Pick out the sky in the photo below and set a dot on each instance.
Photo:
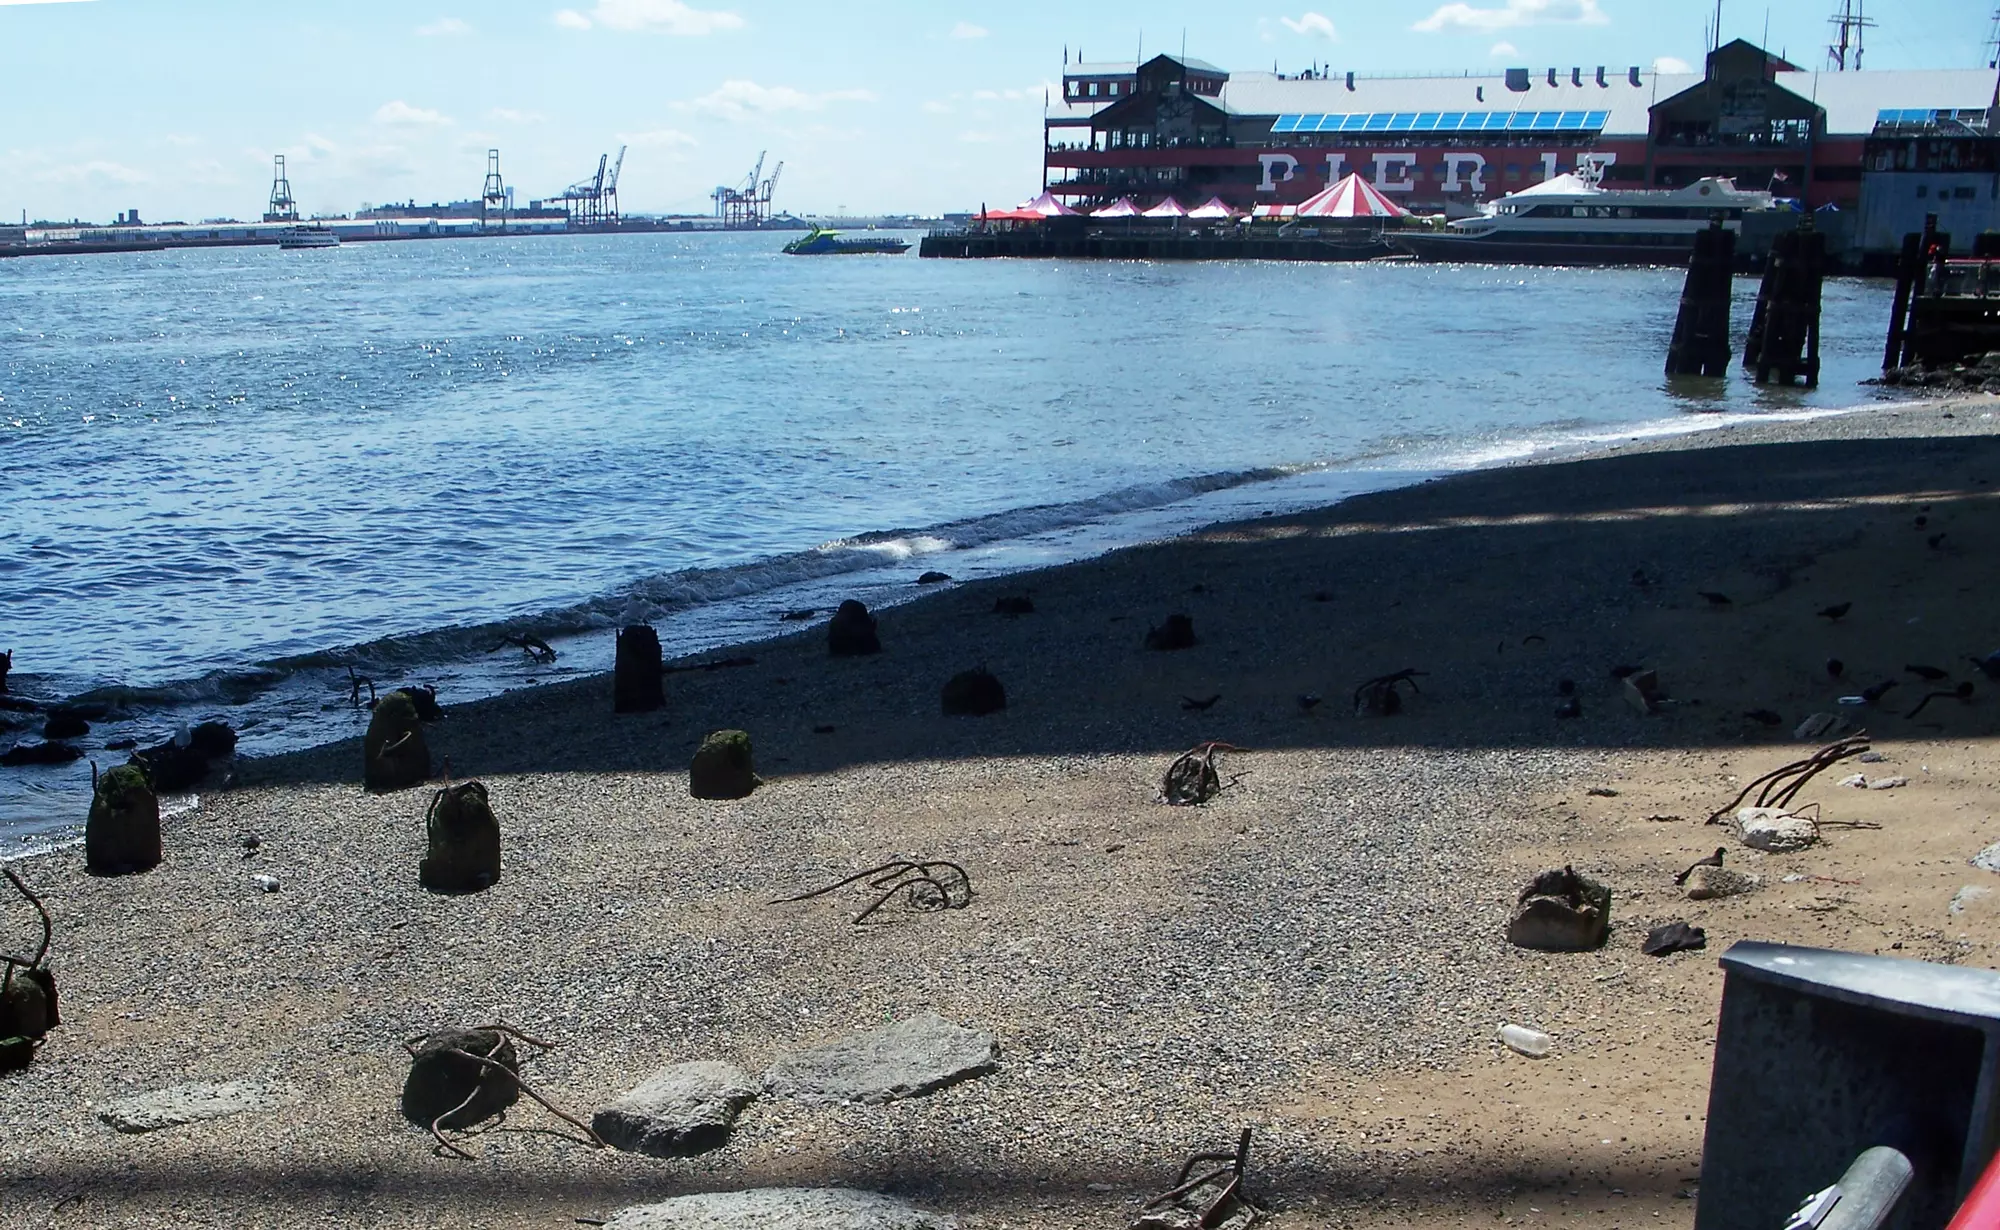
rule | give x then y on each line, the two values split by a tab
920	106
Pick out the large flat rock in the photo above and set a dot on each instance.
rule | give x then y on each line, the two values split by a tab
780	1208
681	1110
906	1059
164	1108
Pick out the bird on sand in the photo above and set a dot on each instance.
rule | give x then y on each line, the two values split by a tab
1835	668
1307	701
1835	611
1713	860
1713	598
1200	706
1871	695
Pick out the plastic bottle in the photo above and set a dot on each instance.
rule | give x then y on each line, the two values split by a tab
1530	1042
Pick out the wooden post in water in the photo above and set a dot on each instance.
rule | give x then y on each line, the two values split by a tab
1784	333
1909	271
1701	332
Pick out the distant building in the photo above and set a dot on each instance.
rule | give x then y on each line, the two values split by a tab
1919	163
1181	127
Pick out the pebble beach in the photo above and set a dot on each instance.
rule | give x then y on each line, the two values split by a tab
1316	954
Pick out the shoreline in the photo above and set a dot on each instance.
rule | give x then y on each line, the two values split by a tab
1316	953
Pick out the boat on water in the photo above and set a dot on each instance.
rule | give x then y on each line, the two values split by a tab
1573	220
822	242
308	237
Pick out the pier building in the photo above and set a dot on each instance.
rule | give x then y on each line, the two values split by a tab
1182	127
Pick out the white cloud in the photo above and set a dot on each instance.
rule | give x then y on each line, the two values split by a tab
1504	48
507	115
668	137
737	99
934	107
1514	13
978	138
403	115
4	3
1317	25
444	27
1670	64
655	16
966	29
96	171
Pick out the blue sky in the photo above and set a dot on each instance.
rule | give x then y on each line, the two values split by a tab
176	108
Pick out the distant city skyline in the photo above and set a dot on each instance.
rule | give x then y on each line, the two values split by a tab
176	110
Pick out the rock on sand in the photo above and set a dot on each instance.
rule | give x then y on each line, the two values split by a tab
780	1208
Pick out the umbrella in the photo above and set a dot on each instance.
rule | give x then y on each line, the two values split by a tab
1120	208
1352	197
1169	208
1213	211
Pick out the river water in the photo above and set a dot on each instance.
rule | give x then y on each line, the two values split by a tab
228	475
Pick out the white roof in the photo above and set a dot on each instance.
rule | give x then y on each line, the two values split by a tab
1852	100
1566	184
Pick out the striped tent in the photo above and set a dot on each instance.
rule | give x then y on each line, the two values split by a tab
1169	208
1351	197
1048	207
1123	207
1214	210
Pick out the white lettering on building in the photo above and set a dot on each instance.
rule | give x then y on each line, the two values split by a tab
1454	163
1402	164
1548	166
1336	165
1272	162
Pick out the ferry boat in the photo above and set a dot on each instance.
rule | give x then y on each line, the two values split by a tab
308	237
822	242
1571	220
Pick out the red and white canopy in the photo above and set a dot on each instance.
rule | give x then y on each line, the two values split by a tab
1213	210
1274	211
1048	207
1352	197
1169	208
1123	207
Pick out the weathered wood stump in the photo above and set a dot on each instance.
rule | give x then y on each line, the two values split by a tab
446	1087
123	833
973	693
394	755
1700	345
27	1002
1176	633
722	767
636	686
6	664
851	631
1561	911
463	840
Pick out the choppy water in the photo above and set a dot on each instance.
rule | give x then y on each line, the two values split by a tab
226	475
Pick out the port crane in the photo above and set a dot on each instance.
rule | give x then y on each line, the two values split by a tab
282	207
749	205
594	201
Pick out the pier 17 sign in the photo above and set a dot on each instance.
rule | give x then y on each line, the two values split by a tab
1397	171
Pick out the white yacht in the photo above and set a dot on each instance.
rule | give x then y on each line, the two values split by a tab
1572	220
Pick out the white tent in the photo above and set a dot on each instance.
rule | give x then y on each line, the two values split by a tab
1123	207
1047	206
1212	211
1169	208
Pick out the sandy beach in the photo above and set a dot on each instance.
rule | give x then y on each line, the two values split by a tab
1316	954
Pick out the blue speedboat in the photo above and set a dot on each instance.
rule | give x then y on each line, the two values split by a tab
822	242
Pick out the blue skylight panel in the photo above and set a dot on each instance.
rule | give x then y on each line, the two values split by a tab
1355	122
1546	121
1521	119
1329	123
1286	123
1378	122
1571	121
1402	121
1451	121
1495	119
1426	121
1596	119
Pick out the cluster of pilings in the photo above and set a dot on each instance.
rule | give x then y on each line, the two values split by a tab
1701	332
1947	310
1784	333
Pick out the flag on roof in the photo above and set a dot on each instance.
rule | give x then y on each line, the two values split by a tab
1351	197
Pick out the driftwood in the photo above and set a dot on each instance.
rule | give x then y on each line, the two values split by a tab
1379	696
1781	785
535	647
928	886
28	1004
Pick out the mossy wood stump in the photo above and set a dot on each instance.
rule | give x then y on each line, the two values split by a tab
394	754
851	632
27	1002
449	1089
464	841
1561	911
974	693
722	767
635	677
123	832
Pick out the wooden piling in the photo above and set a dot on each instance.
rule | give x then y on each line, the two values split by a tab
1909	270
1783	347
1701	332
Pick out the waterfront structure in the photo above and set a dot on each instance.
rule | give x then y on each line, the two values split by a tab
1921	165
1179	126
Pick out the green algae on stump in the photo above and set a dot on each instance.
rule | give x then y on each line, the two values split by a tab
464	841
394	754
123	832
722	767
